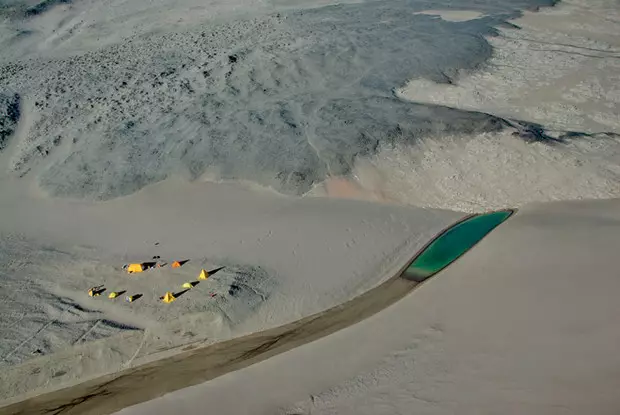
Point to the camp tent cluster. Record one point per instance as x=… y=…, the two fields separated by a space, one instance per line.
x=133 y=268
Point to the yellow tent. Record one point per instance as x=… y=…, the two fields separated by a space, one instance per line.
x=131 y=268
x=168 y=297
x=113 y=294
x=203 y=275
x=188 y=285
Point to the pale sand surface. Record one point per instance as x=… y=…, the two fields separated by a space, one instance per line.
x=523 y=323
x=196 y=363
x=560 y=66
x=454 y=15
x=284 y=258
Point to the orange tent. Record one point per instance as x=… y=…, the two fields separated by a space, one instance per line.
x=131 y=268
x=176 y=264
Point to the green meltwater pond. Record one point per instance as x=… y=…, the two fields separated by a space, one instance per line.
x=453 y=243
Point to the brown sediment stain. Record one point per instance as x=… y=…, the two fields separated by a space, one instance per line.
x=343 y=188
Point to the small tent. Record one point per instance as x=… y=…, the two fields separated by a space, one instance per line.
x=168 y=297
x=176 y=264
x=203 y=275
x=132 y=268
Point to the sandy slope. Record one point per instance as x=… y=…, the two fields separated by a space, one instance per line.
x=120 y=95
x=196 y=363
x=285 y=258
x=282 y=253
x=524 y=323
x=557 y=67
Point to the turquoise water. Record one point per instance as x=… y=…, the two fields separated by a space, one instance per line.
x=452 y=244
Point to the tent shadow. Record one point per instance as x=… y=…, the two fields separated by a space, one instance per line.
x=149 y=265
x=180 y=293
x=99 y=291
x=215 y=271
x=185 y=261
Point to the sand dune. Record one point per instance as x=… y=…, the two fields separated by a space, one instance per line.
x=524 y=322
x=285 y=99
x=201 y=131
x=281 y=257
x=196 y=363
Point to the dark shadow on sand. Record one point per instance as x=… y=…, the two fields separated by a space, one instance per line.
x=215 y=271
x=180 y=293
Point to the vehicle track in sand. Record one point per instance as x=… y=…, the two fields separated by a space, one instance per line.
x=195 y=364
